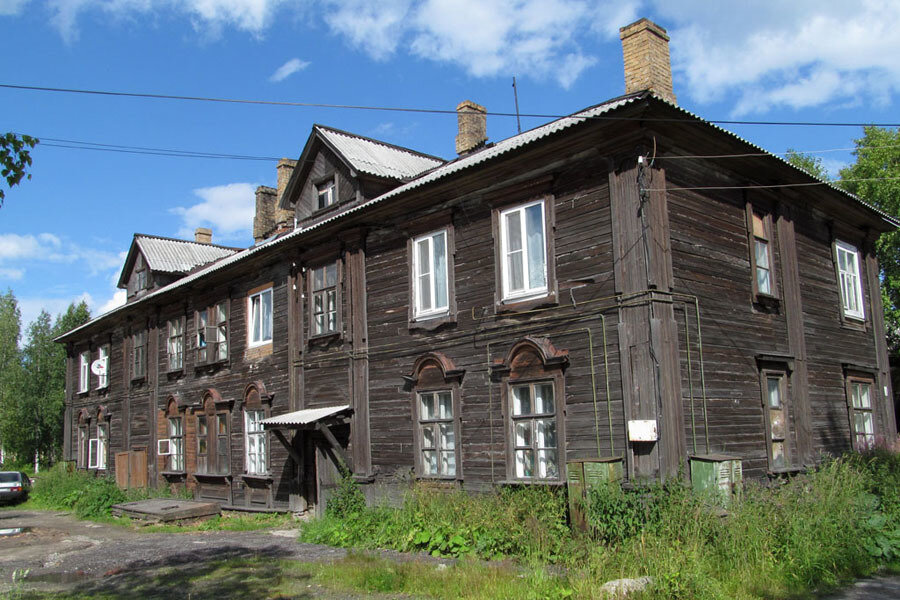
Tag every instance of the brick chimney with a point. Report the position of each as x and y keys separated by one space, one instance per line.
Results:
x=645 y=46
x=269 y=219
x=472 y=119
x=203 y=235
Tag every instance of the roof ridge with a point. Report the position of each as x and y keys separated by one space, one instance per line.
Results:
x=380 y=142
x=173 y=239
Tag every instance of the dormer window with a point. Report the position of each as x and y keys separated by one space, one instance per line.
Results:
x=325 y=193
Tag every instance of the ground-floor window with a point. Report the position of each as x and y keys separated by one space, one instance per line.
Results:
x=534 y=431
x=862 y=418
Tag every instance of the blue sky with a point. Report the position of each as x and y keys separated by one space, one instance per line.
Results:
x=63 y=234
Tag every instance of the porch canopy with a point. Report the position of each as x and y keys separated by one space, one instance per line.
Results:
x=317 y=419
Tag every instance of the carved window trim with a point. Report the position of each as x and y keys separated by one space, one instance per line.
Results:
x=435 y=373
x=512 y=373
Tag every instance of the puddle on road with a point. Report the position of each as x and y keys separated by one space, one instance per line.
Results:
x=14 y=531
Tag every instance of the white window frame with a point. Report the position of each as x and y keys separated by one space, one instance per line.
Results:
x=258 y=464
x=526 y=292
x=93 y=453
x=326 y=189
x=164 y=447
x=84 y=372
x=327 y=321
x=103 y=354
x=421 y=271
x=256 y=316
x=175 y=344
x=848 y=278
x=102 y=444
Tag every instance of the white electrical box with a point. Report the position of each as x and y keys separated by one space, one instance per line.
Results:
x=642 y=431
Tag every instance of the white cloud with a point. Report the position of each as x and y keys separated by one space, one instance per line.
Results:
x=207 y=16
x=288 y=69
x=31 y=307
x=12 y=274
x=43 y=245
x=117 y=300
x=796 y=54
x=227 y=209
x=537 y=38
x=12 y=7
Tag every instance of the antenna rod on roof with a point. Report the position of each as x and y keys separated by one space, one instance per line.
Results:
x=516 y=96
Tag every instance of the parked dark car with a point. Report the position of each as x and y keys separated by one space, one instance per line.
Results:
x=14 y=486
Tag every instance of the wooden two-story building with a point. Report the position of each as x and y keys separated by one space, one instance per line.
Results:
x=628 y=283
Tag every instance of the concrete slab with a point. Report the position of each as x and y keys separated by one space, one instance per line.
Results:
x=162 y=510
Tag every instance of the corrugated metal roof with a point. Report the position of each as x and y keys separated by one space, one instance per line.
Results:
x=178 y=256
x=377 y=158
x=460 y=164
x=306 y=416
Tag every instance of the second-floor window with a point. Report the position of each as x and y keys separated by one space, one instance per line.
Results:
x=523 y=254
x=430 y=273
x=212 y=333
x=761 y=254
x=103 y=376
x=260 y=322
x=84 y=371
x=324 y=300
x=849 y=280
x=175 y=345
x=139 y=355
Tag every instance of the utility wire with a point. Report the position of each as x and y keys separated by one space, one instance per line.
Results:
x=422 y=110
x=767 y=187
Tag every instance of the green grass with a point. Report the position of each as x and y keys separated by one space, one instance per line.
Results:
x=792 y=539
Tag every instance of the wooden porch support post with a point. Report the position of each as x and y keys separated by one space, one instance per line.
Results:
x=288 y=446
x=335 y=446
x=648 y=334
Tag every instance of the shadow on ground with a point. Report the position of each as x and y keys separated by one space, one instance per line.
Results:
x=213 y=573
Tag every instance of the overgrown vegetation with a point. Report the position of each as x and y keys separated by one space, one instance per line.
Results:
x=87 y=496
x=789 y=539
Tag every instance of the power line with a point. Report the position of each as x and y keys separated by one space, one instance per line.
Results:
x=153 y=96
x=768 y=187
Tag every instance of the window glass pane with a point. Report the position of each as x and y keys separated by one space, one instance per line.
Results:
x=448 y=437
x=513 y=231
x=776 y=420
x=547 y=464
x=428 y=440
x=861 y=396
x=864 y=423
x=256 y=330
x=424 y=293
x=222 y=425
x=201 y=445
x=423 y=257
x=516 y=275
x=543 y=398
x=523 y=433
x=448 y=464
x=546 y=433
x=331 y=275
x=774 y=391
x=537 y=267
x=524 y=463
x=428 y=411
x=522 y=400
x=445 y=405
x=267 y=315
x=763 y=281
x=778 y=455
x=201 y=425
x=762 y=254
x=430 y=462
x=440 y=270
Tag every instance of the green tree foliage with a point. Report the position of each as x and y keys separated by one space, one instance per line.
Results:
x=32 y=384
x=10 y=363
x=875 y=177
x=15 y=157
x=809 y=163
